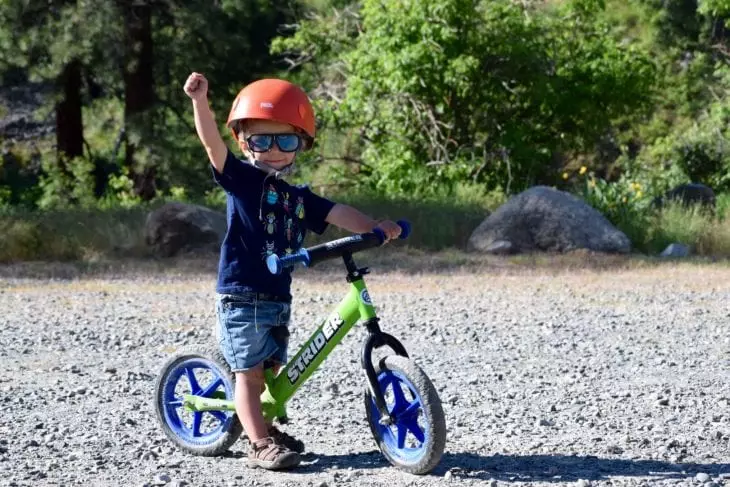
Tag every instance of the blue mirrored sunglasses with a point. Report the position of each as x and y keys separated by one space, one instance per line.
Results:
x=264 y=142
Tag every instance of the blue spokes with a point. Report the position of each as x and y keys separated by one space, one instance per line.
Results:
x=198 y=427
x=194 y=386
x=406 y=438
x=208 y=392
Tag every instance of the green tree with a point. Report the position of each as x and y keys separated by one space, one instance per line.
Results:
x=140 y=53
x=487 y=91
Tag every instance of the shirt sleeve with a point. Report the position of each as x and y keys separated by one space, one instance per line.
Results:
x=316 y=209
x=235 y=173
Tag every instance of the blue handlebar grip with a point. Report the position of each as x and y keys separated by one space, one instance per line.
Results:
x=277 y=264
x=380 y=234
x=405 y=229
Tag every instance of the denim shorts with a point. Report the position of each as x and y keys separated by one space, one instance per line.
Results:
x=251 y=332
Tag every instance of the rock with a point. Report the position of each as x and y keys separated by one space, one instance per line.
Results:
x=702 y=477
x=676 y=250
x=543 y=218
x=176 y=227
x=501 y=247
x=688 y=194
x=162 y=479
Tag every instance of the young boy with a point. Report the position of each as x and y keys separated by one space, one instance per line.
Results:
x=272 y=120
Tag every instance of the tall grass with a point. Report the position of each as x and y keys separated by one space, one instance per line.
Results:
x=88 y=234
x=72 y=234
x=704 y=232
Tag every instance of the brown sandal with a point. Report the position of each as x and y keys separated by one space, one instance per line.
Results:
x=266 y=453
x=285 y=439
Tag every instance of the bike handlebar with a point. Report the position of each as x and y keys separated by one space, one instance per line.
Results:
x=334 y=248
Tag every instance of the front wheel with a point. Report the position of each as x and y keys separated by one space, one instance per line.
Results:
x=415 y=441
x=206 y=433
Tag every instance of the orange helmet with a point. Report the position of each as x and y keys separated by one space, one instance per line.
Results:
x=273 y=99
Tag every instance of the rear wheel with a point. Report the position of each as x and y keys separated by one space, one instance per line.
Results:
x=206 y=374
x=416 y=440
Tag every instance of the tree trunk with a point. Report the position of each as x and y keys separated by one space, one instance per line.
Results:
x=139 y=93
x=69 y=125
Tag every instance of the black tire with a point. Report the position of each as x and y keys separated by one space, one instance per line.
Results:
x=431 y=449
x=227 y=433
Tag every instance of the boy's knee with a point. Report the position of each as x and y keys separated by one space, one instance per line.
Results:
x=251 y=376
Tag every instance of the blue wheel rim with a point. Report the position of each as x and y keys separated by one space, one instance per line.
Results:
x=172 y=404
x=406 y=439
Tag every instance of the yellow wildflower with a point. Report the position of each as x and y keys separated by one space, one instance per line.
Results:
x=566 y=175
x=583 y=170
x=638 y=194
x=625 y=199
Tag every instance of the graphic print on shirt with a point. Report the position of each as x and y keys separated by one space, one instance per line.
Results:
x=300 y=208
x=282 y=221
x=288 y=224
x=271 y=195
x=269 y=249
x=270 y=223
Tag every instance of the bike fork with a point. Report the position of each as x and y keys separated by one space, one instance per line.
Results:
x=376 y=339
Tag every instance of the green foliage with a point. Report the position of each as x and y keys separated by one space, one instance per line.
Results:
x=458 y=90
x=625 y=203
x=715 y=8
x=435 y=111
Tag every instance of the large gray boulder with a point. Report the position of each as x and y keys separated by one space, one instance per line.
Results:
x=176 y=227
x=543 y=218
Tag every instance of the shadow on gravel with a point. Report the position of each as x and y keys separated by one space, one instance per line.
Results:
x=537 y=468
x=561 y=468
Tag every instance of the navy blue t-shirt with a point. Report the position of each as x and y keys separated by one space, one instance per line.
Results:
x=265 y=216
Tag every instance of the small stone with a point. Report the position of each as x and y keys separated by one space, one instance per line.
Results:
x=663 y=402
x=501 y=247
x=148 y=455
x=492 y=483
x=615 y=450
x=110 y=370
x=179 y=483
x=702 y=477
x=162 y=479
x=545 y=422
x=583 y=483
x=676 y=250
x=448 y=475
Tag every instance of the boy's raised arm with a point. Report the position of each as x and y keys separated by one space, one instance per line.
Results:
x=196 y=87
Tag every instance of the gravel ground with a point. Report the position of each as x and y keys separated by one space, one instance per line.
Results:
x=611 y=377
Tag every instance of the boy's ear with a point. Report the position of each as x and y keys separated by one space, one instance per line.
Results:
x=243 y=144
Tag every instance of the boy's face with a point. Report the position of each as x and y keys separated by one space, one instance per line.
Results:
x=274 y=158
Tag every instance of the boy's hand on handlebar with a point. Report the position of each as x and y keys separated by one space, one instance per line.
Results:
x=196 y=86
x=390 y=228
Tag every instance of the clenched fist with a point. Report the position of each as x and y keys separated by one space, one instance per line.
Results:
x=196 y=86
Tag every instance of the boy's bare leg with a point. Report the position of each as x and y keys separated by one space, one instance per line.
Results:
x=281 y=437
x=248 y=402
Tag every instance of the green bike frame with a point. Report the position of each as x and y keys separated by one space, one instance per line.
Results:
x=356 y=305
